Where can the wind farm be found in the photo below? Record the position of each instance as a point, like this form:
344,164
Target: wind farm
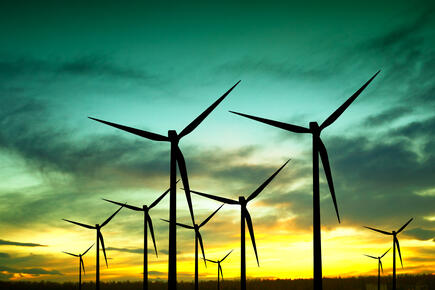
158,132
148,223
100,240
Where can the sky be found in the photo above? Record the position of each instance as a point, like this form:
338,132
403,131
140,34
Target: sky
156,66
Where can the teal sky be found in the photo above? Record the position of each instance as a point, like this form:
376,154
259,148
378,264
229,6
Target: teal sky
156,66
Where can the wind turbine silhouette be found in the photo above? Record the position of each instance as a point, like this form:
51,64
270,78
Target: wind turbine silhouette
245,216
176,158
81,264
146,223
318,148
198,238
395,242
379,266
220,267
99,239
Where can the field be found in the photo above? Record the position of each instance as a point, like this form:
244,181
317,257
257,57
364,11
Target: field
417,282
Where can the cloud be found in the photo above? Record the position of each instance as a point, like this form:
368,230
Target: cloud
387,116
31,271
136,250
4,242
420,234
85,66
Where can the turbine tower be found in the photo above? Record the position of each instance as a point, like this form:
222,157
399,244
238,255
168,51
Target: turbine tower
318,148
395,242
147,222
220,267
99,239
81,264
198,238
244,216
176,158
379,266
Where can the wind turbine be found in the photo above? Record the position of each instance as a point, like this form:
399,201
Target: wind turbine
198,238
81,264
147,222
220,267
99,239
379,266
176,158
395,242
244,216
318,148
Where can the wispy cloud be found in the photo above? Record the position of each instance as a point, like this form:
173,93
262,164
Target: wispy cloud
11,243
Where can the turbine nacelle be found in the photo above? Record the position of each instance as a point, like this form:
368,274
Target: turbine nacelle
97,226
173,136
242,201
315,129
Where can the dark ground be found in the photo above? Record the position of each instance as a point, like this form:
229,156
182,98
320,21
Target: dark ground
417,282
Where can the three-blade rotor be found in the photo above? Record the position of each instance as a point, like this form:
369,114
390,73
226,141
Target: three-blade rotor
243,202
100,238
316,130
395,240
197,232
174,139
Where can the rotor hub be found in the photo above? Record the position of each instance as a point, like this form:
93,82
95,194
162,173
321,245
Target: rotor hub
172,135
315,129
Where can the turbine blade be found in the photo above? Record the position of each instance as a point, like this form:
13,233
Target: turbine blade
222,274
285,126
380,231
218,198
142,133
111,217
88,249
71,254
404,226
125,205
180,224
210,216
104,248
211,261
189,128
226,255
80,224
83,265
327,169
380,262
183,172
265,183
398,250
150,225
202,247
385,252
346,104
161,197
370,256
251,233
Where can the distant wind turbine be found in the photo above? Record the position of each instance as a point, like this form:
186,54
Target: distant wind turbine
318,148
147,223
245,216
198,238
220,267
176,158
379,266
99,239
81,264
395,242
